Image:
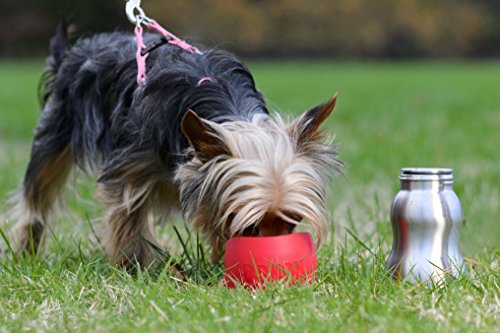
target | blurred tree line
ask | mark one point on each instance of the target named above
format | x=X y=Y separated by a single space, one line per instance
x=333 y=28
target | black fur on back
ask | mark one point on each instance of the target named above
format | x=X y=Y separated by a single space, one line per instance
x=107 y=116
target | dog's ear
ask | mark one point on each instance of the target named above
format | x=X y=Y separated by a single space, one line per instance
x=306 y=127
x=202 y=137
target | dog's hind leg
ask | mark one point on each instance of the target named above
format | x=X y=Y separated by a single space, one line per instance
x=49 y=166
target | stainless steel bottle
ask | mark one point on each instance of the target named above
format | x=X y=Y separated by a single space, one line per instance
x=426 y=217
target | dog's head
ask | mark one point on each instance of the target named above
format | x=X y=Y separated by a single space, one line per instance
x=257 y=178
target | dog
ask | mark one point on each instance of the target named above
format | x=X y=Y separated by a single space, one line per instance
x=197 y=135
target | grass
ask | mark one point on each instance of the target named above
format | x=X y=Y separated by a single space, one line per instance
x=388 y=116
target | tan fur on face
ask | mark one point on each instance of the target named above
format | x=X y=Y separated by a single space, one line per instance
x=267 y=172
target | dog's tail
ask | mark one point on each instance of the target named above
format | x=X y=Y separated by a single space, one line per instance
x=59 y=45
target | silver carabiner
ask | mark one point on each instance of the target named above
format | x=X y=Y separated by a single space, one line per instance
x=135 y=13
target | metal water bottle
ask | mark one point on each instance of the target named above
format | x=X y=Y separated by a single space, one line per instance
x=426 y=217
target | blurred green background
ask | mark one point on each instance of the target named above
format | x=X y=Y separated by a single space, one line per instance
x=292 y=28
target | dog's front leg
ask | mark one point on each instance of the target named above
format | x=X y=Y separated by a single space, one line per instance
x=127 y=189
x=128 y=231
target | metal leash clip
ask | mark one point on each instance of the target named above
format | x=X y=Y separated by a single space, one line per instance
x=135 y=13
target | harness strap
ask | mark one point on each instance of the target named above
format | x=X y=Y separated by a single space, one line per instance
x=140 y=57
x=172 y=39
x=205 y=79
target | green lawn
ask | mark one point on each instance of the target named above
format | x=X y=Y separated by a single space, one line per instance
x=388 y=116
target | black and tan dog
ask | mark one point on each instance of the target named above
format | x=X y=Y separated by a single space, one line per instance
x=197 y=135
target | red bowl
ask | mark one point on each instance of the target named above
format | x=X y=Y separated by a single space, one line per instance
x=253 y=261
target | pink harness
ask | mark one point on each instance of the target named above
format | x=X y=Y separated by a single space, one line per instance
x=172 y=39
x=205 y=79
x=137 y=16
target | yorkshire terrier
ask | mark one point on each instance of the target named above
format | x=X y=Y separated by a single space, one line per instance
x=196 y=135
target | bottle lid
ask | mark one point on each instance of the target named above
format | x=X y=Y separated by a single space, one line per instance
x=427 y=174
